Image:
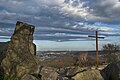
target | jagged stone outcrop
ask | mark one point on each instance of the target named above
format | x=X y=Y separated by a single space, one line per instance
x=112 y=71
x=20 y=57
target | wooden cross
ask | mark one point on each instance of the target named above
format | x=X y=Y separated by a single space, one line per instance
x=96 y=46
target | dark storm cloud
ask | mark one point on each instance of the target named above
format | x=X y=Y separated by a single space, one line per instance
x=106 y=11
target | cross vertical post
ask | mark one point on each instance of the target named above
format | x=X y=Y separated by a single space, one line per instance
x=96 y=37
x=97 y=49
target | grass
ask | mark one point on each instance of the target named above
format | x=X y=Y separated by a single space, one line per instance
x=8 y=77
x=14 y=77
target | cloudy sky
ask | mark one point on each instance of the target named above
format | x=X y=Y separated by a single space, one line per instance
x=63 y=24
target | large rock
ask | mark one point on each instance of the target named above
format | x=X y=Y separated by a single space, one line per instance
x=79 y=73
x=69 y=72
x=20 y=57
x=49 y=73
x=72 y=71
x=66 y=73
x=112 y=71
x=88 y=75
x=28 y=77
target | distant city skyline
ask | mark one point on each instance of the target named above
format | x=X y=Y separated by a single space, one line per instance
x=62 y=24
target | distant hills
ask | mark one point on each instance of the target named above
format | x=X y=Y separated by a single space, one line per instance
x=51 y=54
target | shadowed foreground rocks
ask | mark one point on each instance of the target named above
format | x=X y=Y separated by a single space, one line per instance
x=19 y=57
x=3 y=49
x=112 y=71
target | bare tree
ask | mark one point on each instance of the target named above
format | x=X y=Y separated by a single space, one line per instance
x=110 y=52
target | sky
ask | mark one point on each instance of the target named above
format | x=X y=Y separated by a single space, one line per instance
x=63 y=24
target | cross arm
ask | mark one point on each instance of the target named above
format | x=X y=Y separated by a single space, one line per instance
x=95 y=37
